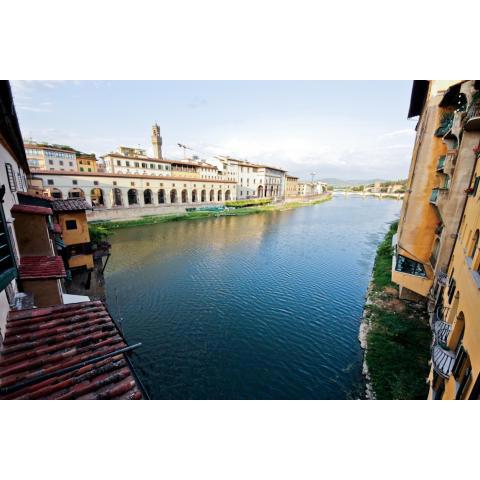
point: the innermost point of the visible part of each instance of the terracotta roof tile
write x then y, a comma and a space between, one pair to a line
46, 341
70, 205
41, 267
31, 209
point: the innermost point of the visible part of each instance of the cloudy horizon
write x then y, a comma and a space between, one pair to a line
338, 129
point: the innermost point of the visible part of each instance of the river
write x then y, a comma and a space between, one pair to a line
264, 306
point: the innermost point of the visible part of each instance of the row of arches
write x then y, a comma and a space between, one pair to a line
268, 191
98, 198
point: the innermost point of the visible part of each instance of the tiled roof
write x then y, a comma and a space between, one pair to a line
35, 195
31, 209
70, 205
41, 267
65, 352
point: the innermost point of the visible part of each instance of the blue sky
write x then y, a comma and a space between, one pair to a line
344, 129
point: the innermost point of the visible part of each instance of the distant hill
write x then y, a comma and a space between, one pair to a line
338, 182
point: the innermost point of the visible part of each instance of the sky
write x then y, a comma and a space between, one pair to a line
343, 129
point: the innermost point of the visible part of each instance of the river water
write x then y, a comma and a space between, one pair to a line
264, 306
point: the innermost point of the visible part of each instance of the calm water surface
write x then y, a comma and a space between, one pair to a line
262, 306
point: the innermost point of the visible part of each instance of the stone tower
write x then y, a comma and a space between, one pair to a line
156, 141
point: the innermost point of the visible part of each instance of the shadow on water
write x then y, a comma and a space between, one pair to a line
259, 306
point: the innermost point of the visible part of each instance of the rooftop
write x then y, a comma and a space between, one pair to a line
41, 267
31, 209
70, 205
65, 352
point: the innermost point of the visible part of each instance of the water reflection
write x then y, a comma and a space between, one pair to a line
261, 306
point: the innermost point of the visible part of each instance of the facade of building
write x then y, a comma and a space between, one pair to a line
253, 180
291, 186
86, 163
111, 191
306, 189
436, 250
48, 157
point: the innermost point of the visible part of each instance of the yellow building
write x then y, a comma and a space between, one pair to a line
436, 250
71, 216
291, 186
435, 196
86, 163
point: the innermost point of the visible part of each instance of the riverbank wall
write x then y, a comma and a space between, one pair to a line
151, 216
394, 334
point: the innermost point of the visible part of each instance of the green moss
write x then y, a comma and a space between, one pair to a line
155, 219
399, 337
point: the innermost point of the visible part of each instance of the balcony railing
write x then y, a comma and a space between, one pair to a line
434, 195
443, 359
441, 162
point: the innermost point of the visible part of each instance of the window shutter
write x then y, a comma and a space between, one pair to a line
11, 177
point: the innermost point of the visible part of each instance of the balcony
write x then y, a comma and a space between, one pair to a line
472, 118
434, 196
443, 359
441, 163
445, 124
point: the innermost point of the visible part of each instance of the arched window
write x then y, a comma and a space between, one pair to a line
227, 195
76, 193
56, 193
97, 197
161, 196
173, 196
204, 196
219, 196
212, 196
117, 197
147, 197
194, 196
132, 197
184, 196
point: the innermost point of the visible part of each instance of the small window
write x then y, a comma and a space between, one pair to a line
50, 162
119, 163
95, 182
81, 169
75, 182
132, 184
71, 224
11, 177
114, 183
61, 162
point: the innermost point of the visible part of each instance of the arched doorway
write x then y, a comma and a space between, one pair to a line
56, 193
204, 196
219, 196
147, 197
227, 195
212, 196
260, 191
76, 193
184, 196
194, 196
173, 196
161, 196
117, 197
132, 197
97, 197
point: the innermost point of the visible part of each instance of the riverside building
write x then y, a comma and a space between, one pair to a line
436, 255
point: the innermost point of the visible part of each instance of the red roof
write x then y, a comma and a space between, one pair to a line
31, 209
43, 267
47, 341
71, 205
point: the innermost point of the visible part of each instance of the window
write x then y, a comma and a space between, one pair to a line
89, 169
71, 224
475, 186
451, 289
474, 243
152, 165
50, 162
127, 163
407, 265
137, 164
71, 164
61, 162
11, 177
144, 165
119, 163
114, 183
8, 269
81, 169
75, 182
95, 182
132, 184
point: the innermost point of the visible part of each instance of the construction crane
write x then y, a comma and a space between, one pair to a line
185, 148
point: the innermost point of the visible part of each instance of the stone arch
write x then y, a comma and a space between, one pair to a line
228, 195
98, 199
161, 196
117, 197
147, 197
56, 193
203, 196
260, 191
132, 196
212, 196
219, 195
173, 196
76, 193
194, 196
184, 196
